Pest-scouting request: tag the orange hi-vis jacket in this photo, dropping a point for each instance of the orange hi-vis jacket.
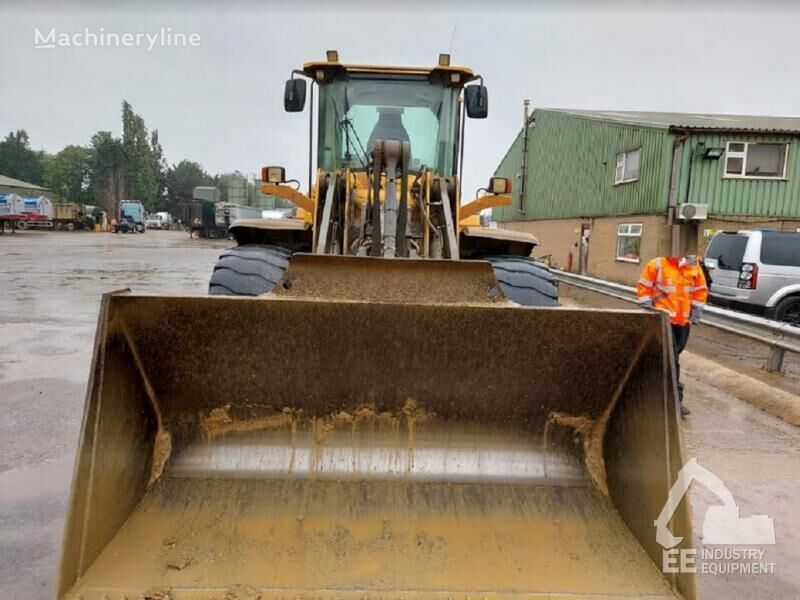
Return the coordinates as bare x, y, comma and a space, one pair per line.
674, 285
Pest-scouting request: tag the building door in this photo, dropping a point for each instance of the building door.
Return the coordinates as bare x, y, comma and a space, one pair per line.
583, 248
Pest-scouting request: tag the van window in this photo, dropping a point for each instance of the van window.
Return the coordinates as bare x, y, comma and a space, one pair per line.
781, 249
728, 249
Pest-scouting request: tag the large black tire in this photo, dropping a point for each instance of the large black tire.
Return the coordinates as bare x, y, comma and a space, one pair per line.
248, 270
525, 281
788, 310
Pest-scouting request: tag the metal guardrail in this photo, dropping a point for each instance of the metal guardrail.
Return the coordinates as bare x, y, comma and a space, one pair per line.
780, 337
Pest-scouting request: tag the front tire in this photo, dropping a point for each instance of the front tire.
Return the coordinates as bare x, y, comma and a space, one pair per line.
525, 281
249, 270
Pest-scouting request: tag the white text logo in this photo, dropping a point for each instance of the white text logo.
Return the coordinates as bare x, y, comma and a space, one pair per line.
100, 38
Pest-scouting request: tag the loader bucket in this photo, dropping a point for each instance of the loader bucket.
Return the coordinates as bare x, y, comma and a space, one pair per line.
282, 447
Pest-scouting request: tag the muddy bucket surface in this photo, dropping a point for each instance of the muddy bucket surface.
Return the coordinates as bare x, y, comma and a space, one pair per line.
300, 448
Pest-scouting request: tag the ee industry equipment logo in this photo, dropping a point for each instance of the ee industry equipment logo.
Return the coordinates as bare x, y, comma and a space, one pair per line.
722, 526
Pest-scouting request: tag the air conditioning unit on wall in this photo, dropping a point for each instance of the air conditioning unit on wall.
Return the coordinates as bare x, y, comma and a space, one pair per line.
692, 212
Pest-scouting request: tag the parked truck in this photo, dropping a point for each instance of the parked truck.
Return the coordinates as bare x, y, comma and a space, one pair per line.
8, 210
153, 221
216, 217
131, 217
70, 216
39, 212
204, 213
165, 219
26, 212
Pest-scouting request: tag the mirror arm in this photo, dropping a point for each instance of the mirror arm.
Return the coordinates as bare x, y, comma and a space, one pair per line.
297, 72
480, 98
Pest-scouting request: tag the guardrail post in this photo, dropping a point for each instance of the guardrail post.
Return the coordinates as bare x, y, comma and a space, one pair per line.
775, 359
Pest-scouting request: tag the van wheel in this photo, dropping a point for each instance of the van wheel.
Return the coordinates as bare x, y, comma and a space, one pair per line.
788, 310
525, 281
249, 270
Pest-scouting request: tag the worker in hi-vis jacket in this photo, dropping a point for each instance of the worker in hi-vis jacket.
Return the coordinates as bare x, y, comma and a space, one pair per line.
678, 287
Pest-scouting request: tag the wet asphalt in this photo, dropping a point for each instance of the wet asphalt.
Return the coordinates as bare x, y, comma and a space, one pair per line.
49, 297
52, 283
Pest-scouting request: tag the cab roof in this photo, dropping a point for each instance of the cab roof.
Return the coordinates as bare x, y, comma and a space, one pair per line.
311, 69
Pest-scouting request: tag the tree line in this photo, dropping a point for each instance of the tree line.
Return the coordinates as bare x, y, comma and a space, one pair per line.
110, 169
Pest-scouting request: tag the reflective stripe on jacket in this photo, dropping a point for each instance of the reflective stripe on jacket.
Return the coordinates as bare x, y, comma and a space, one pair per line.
674, 286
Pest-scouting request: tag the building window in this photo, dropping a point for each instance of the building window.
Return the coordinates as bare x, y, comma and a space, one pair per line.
747, 160
627, 166
629, 241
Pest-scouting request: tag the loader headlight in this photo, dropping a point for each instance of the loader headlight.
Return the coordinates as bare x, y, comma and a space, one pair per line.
273, 174
499, 185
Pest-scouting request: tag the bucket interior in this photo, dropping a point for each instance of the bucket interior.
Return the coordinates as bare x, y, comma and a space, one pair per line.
298, 448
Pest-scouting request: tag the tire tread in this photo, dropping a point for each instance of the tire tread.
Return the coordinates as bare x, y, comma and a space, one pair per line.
525, 281
248, 270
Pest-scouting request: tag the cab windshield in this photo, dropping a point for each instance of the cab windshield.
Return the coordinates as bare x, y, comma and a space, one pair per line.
356, 111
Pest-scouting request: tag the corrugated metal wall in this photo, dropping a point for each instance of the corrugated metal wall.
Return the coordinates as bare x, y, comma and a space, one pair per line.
736, 197
571, 163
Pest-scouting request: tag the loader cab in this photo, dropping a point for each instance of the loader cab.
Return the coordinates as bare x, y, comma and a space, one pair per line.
357, 109
388, 146
361, 104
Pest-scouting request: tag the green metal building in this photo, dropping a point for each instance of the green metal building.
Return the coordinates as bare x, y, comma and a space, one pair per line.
606, 191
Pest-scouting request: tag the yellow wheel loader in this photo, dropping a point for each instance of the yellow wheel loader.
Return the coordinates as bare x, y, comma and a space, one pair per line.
379, 398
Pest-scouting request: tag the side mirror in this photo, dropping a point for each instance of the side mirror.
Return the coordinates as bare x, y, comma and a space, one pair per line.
476, 97
294, 95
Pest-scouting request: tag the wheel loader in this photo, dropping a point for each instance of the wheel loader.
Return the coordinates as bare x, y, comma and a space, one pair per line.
379, 398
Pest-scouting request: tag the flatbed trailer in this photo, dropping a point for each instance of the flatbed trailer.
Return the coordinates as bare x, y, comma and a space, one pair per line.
25, 221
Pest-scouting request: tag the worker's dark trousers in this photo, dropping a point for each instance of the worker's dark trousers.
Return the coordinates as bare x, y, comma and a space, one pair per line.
680, 337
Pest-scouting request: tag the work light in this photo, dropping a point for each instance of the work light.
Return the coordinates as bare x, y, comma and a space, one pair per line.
273, 174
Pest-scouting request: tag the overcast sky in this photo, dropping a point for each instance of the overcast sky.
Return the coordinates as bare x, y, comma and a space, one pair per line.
220, 103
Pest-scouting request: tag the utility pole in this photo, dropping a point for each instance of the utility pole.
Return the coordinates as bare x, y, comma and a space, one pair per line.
524, 175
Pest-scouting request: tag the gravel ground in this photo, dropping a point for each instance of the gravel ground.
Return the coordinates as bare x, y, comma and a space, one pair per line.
48, 309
